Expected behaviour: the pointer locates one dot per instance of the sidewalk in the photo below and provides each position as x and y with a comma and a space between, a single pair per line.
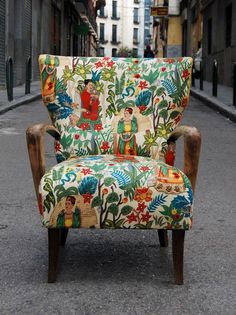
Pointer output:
19, 96
223, 103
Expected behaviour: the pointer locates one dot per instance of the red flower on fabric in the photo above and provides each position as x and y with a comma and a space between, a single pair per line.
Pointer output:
76, 136
105, 146
84, 126
185, 74
137, 76
86, 171
136, 61
142, 108
143, 85
57, 146
110, 63
87, 197
143, 193
98, 64
144, 168
146, 217
180, 59
105, 191
163, 69
50, 85
98, 127
132, 217
170, 60
141, 206
176, 216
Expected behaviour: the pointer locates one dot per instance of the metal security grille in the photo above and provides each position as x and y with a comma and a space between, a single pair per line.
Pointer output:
2, 42
27, 22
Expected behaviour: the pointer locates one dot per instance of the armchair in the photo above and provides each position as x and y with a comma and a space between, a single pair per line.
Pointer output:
115, 123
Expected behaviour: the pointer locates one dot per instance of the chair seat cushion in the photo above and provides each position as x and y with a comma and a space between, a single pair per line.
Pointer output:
115, 191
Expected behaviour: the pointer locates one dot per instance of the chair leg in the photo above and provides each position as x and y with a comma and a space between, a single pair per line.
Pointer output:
178, 254
64, 233
163, 238
53, 253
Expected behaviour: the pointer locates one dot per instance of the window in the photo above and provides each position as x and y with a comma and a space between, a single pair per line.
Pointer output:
101, 11
135, 52
114, 9
114, 52
136, 15
209, 35
102, 31
228, 25
114, 33
102, 51
135, 36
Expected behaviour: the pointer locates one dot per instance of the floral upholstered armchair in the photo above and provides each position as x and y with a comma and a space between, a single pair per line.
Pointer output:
115, 123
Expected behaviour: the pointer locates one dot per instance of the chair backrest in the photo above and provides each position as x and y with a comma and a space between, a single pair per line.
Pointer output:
129, 105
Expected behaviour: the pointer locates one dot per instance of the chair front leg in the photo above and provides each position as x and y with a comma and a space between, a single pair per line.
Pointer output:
53, 253
178, 254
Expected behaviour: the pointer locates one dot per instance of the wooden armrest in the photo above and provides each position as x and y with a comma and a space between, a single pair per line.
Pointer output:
35, 141
192, 145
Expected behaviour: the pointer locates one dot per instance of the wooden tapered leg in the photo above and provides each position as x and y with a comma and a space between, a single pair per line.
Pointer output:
178, 254
64, 233
53, 253
163, 238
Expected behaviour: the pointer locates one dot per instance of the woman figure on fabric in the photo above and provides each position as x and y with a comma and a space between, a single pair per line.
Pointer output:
89, 101
69, 218
127, 127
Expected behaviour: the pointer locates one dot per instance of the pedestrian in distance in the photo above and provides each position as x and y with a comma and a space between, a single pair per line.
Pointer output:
148, 53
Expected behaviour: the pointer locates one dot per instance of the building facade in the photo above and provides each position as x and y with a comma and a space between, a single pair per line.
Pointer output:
167, 30
192, 26
219, 38
33, 27
121, 24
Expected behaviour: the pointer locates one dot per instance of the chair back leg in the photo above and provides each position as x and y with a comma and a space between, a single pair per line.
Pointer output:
64, 233
163, 238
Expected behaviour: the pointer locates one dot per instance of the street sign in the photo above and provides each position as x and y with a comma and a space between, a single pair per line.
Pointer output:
159, 11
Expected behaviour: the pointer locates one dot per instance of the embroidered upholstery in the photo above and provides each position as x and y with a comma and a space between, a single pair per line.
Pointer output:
116, 191
103, 106
141, 100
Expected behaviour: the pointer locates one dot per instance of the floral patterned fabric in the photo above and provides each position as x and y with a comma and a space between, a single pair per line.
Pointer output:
139, 100
115, 191
125, 106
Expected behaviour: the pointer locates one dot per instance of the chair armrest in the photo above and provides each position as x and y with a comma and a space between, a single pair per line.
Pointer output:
192, 145
35, 141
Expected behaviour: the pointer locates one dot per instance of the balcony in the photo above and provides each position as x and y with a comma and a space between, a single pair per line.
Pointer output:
136, 20
136, 1
135, 41
103, 40
115, 16
115, 41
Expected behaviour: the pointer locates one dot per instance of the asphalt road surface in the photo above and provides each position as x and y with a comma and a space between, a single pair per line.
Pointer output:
119, 272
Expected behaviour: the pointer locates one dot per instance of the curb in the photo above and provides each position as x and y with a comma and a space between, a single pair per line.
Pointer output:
20, 101
212, 102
